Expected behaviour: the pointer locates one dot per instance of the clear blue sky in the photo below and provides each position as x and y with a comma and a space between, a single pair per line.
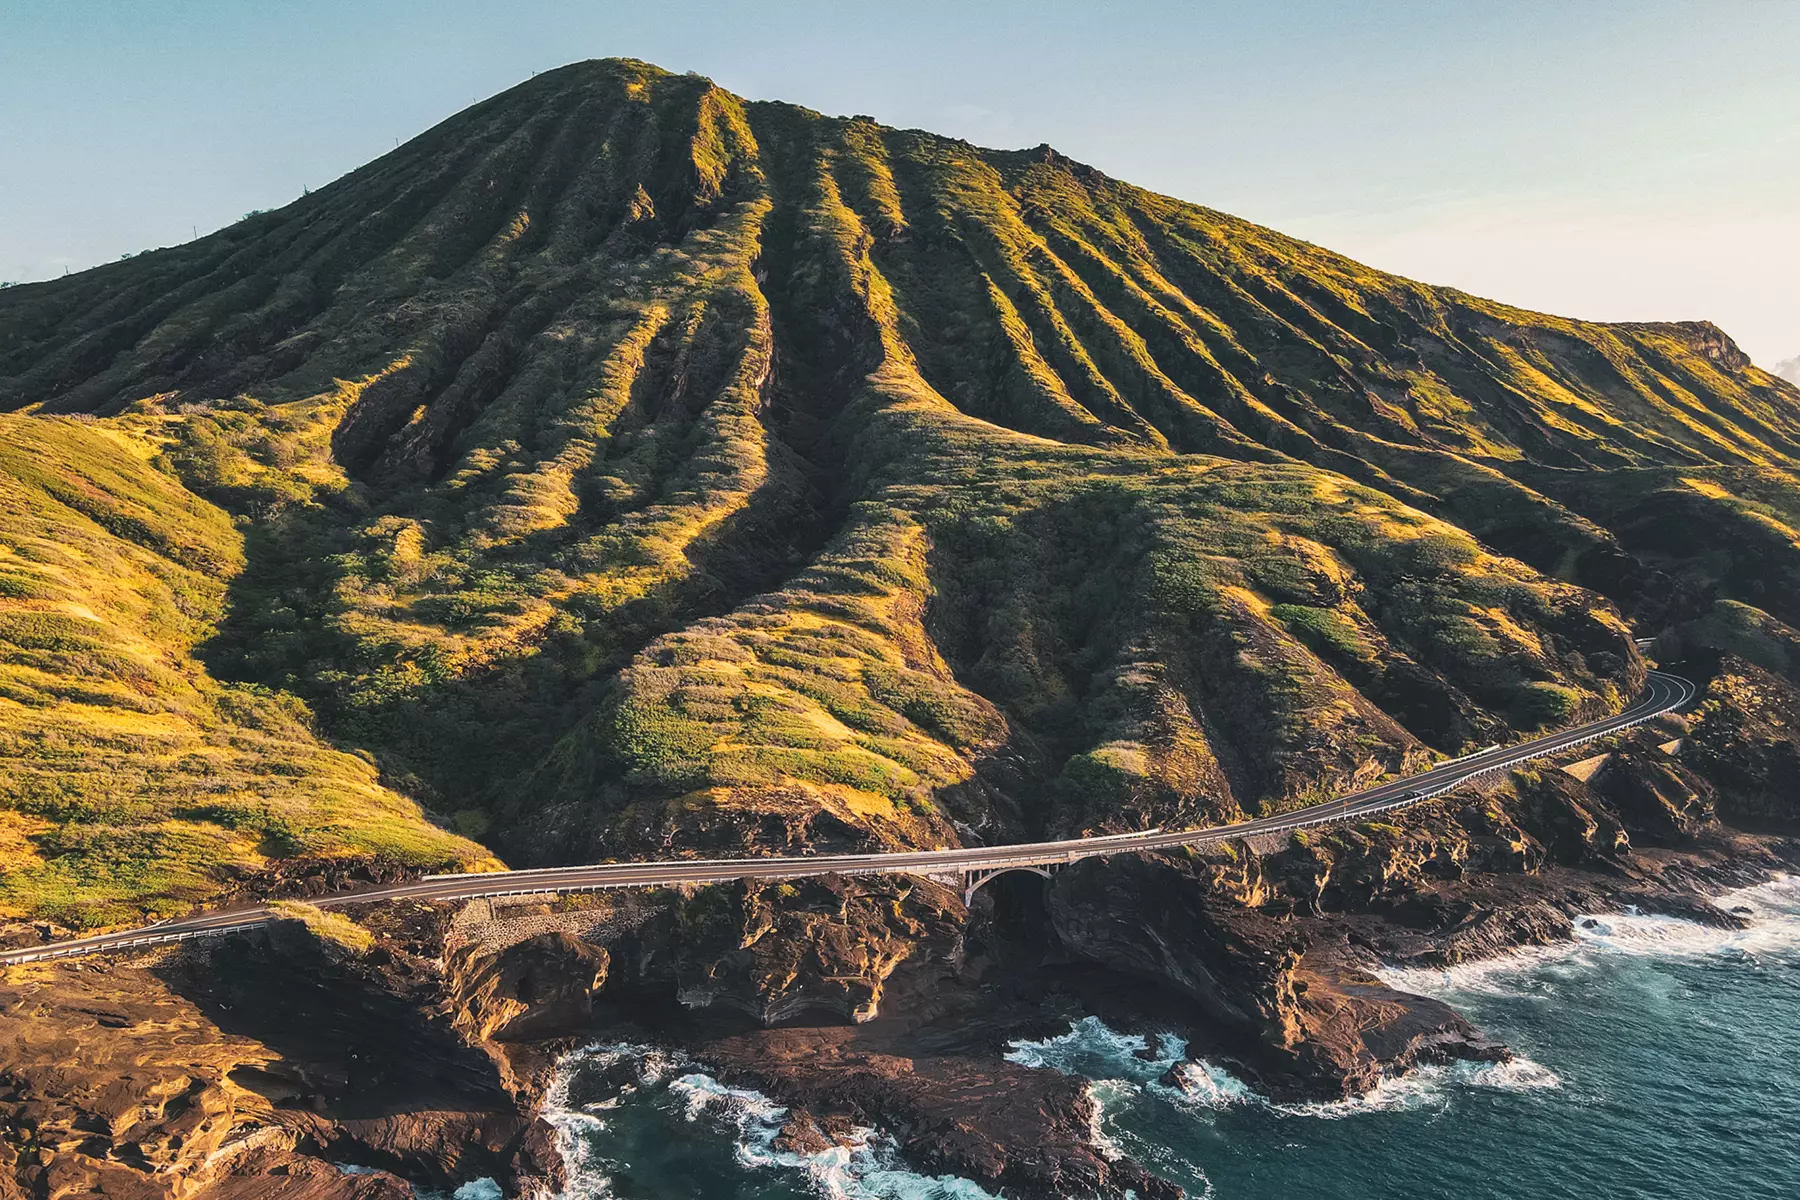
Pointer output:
1616, 159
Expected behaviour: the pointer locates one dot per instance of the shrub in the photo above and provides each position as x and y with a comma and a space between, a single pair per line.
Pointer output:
331, 927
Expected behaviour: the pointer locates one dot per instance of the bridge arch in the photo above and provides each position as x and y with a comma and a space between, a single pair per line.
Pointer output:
972, 880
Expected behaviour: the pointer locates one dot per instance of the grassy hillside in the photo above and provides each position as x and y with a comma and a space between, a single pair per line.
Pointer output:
625, 466
131, 781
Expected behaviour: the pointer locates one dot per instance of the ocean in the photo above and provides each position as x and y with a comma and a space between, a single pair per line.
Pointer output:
1656, 1059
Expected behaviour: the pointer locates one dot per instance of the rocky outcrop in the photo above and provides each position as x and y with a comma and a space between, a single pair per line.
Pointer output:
114, 1084
1746, 740
1151, 917
773, 952
1351, 1031
1564, 817
1660, 801
248, 1067
1303, 1018
308, 875
538, 988
954, 1104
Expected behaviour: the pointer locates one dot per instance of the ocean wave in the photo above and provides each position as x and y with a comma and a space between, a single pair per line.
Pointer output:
479, 1189
1431, 1086
483, 1188
1119, 1072
865, 1166
1092, 1041
1772, 910
589, 1174
1201, 1084
1517, 1074
1119, 1066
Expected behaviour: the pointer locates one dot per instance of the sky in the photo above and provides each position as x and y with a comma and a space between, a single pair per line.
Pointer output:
1608, 159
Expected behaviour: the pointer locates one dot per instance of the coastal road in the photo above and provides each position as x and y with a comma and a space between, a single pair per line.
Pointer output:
967, 866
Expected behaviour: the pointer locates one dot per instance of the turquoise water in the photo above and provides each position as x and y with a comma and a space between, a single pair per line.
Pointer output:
1658, 1059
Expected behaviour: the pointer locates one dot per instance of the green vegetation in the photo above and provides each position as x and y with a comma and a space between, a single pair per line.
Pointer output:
1747, 632
1324, 630
331, 927
131, 781
622, 467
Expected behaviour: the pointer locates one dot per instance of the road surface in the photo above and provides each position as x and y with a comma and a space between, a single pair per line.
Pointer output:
968, 866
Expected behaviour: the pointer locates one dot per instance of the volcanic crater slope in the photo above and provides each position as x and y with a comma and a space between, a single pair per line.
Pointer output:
623, 467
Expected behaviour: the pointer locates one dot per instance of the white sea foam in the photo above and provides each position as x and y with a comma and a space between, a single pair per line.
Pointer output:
483, 1188
866, 1166
1431, 1086
1422, 1087
1772, 909
1519, 1074
1120, 1067
1102, 1093
1206, 1085
1119, 1076
1091, 1041
577, 1123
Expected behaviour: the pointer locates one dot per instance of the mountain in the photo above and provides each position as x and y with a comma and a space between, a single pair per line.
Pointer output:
625, 468
1789, 370
629, 467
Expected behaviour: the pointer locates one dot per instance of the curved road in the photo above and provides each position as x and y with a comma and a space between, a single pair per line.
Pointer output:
969, 865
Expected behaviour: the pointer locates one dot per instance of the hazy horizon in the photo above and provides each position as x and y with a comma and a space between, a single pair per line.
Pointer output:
1623, 161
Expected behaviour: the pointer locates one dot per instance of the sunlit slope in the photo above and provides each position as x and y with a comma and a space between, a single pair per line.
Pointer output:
1131, 645
1032, 290
130, 780
630, 467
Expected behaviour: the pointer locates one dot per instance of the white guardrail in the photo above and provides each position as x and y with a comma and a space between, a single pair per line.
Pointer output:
85, 946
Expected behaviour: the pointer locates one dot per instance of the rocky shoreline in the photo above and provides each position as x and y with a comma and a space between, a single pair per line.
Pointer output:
250, 1065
